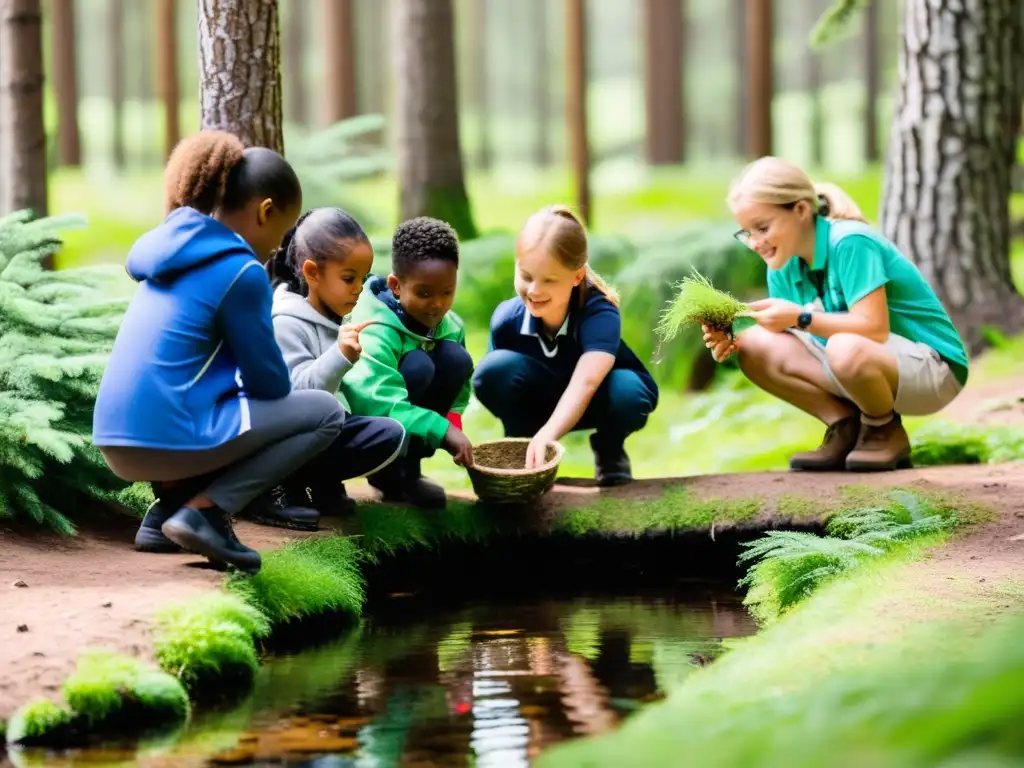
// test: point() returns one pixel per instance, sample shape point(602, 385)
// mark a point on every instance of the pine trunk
point(576, 103)
point(663, 37)
point(240, 70)
point(430, 166)
point(339, 60)
point(168, 86)
point(814, 74)
point(540, 83)
point(115, 71)
point(478, 82)
point(65, 81)
point(295, 37)
point(760, 80)
point(23, 152)
point(742, 56)
point(952, 147)
point(872, 82)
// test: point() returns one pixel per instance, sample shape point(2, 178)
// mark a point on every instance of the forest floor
point(59, 596)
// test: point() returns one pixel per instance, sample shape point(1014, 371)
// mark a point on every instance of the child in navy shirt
point(556, 360)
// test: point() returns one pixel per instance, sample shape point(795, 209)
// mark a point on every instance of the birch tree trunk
point(23, 147)
point(430, 165)
point(240, 70)
point(945, 200)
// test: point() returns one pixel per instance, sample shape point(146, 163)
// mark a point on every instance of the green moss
point(311, 577)
point(36, 721)
point(106, 686)
point(697, 302)
point(675, 510)
point(209, 638)
point(800, 508)
point(387, 529)
point(943, 443)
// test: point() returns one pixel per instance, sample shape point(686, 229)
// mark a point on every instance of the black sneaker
point(420, 491)
point(208, 532)
point(390, 481)
point(331, 500)
point(285, 506)
point(611, 464)
point(149, 537)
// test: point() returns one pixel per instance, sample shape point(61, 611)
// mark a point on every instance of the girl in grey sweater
point(318, 274)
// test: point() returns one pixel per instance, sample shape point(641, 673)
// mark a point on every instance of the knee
point(328, 408)
point(496, 376)
point(394, 434)
point(632, 400)
point(417, 369)
point(848, 355)
point(454, 359)
point(756, 347)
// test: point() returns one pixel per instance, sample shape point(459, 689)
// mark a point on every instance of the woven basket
point(499, 474)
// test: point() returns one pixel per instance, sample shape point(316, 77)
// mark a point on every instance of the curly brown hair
point(422, 239)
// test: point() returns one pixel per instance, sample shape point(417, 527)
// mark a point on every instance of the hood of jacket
point(187, 239)
point(287, 303)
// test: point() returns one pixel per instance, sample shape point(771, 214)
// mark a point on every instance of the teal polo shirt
point(850, 261)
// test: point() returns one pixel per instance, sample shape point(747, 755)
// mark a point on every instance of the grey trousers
point(285, 434)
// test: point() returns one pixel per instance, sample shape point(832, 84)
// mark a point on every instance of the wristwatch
point(803, 320)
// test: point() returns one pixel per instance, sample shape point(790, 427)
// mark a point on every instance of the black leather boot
point(288, 505)
point(208, 532)
point(611, 464)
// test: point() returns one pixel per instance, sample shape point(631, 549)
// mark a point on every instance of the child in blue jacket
point(196, 398)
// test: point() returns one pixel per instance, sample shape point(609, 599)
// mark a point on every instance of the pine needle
point(698, 302)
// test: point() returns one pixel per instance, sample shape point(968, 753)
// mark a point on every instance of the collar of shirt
point(532, 327)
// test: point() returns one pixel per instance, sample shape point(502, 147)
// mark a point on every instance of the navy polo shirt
point(594, 327)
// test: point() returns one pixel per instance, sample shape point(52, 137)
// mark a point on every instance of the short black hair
point(311, 239)
point(422, 239)
point(213, 170)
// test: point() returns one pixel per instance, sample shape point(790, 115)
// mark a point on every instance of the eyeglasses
point(745, 238)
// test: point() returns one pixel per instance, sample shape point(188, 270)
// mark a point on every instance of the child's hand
point(775, 315)
point(348, 340)
point(537, 449)
point(722, 346)
point(459, 446)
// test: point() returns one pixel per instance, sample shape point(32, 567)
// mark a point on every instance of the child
point(319, 272)
point(852, 333)
point(414, 365)
point(196, 397)
point(557, 361)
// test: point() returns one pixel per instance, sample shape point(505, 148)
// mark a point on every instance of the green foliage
point(35, 720)
point(836, 21)
point(309, 577)
point(941, 443)
point(789, 566)
point(698, 303)
point(105, 686)
point(56, 330)
point(209, 638)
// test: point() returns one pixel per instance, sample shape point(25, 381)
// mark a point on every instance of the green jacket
point(374, 387)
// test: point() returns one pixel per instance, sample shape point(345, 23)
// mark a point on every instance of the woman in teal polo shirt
point(852, 333)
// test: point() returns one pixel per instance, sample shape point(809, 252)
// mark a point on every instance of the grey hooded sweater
point(309, 343)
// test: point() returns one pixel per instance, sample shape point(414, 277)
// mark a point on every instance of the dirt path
point(95, 590)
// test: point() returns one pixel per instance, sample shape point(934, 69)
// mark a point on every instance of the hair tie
point(824, 209)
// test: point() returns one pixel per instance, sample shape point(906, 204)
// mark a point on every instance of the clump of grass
point(210, 638)
point(312, 577)
point(698, 302)
point(942, 444)
point(37, 721)
point(789, 566)
point(387, 529)
point(106, 687)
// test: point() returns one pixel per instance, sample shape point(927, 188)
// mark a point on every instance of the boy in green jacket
point(414, 366)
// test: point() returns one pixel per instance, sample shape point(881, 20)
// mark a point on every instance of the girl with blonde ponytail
point(557, 362)
point(851, 332)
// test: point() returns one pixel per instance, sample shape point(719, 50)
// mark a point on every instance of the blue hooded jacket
point(196, 342)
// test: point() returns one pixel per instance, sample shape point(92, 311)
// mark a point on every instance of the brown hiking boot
point(830, 456)
point(881, 448)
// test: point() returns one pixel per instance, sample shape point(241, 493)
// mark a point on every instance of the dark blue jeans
point(434, 380)
point(523, 391)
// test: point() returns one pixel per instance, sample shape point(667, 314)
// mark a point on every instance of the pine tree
point(56, 332)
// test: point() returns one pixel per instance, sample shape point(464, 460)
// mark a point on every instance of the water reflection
point(485, 684)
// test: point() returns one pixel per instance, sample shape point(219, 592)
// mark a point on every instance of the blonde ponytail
point(563, 236)
point(773, 181)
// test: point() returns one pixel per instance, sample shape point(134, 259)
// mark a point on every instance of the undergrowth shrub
point(944, 443)
point(310, 577)
point(788, 566)
point(212, 637)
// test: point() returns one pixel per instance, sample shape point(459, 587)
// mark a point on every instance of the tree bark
point(872, 82)
point(739, 39)
point(479, 82)
point(430, 166)
point(63, 56)
point(663, 37)
point(540, 85)
point(23, 151)
point(945, 200)
point(240, 70)
point(295, 37)
point(115, 72)
point(168, 86)
point(760, 80)
point(339, 60)
point(814, 72)
point(576, 102)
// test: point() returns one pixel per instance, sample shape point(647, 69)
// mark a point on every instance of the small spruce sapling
point(697, 302)
point(56, 332)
